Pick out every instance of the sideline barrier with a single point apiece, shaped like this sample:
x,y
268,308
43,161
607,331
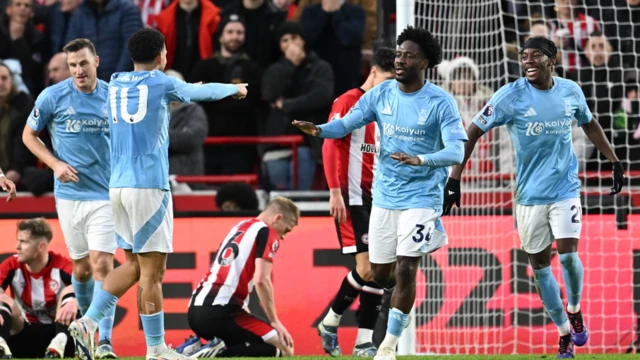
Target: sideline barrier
x,y
308,269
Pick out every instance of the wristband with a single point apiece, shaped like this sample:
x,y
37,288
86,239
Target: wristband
x,y
67,298
1,175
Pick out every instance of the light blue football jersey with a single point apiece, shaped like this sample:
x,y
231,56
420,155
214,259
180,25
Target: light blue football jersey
x,y
139,122
79,130
414,123
539,123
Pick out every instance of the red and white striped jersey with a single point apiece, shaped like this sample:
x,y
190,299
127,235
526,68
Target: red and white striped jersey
x,y
37,294
579,28
230,278
349,163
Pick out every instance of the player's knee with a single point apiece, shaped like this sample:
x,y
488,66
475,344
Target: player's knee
x,y
382,277
568,261
406,271
82,271
364,271
286,351
102,264
152,275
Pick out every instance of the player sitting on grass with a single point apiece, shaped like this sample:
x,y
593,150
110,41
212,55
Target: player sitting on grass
x,y
218,308
538,110
33,324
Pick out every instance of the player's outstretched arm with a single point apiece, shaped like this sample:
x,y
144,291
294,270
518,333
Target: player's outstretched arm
x,y
185,92
452,154
64,172
8,186
452,188
337,129
67,307
594,132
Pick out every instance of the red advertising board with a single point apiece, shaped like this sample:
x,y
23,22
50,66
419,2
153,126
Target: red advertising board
x,y
475,297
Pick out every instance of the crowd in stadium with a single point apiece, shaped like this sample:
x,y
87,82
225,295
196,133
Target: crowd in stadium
x,y
240,41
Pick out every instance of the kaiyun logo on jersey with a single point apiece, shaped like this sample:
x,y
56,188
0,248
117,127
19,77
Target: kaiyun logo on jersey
x,y
391,130
556,127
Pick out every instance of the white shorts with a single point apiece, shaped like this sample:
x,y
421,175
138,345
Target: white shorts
x,y
144,219
87,226
411,232
539,225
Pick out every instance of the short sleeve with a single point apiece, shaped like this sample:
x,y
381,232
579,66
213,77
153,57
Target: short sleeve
x,y
7,269
177,90
267,243
495,112
42,112
583,114
66,270
451,126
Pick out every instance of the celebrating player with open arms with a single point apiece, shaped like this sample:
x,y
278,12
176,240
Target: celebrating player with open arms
x,y
422,134
75,113
538,110
138,113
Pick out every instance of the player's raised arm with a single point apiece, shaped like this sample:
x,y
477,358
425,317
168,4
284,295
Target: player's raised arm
x,y
186,92
359,116
594,132
40,116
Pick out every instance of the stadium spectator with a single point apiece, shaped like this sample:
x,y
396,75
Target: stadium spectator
x,y
626,124
19,39
262,19
33,328
150,9
108,25
237,197
579,27
539,28
334,30
15,107
462,81
187,132
58,69
622,27
59,17
229,117
371,22
287,6
188,27
298,86
601,80
216,311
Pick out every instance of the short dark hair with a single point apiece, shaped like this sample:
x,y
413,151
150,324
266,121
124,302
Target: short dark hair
x,y
384,59
540,22
240,193
79,44
38,227
428,43
145,45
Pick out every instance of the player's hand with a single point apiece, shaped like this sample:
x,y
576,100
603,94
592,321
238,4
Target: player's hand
x,y
451,195
284,335
336,206
406,159
8,186
65,172
67,313
618,178
242,91
307,127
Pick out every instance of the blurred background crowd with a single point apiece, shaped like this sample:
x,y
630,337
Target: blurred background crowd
x,y
297,56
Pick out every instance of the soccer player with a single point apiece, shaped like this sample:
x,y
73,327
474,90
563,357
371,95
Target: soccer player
x,y
422,134
75,113
34,321
244,260
138,110
348,167
8,186
538,110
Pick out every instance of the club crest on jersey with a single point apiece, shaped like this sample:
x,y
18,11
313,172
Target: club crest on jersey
x,y
488,111
365,239
422,117
54,285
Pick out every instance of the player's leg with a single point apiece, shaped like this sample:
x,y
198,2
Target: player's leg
x,y
73,216
565,218
61,341
12,323
536,239
100,232
349,289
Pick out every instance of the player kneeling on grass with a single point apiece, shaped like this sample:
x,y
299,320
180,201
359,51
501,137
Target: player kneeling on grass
x,y
34,322
218,308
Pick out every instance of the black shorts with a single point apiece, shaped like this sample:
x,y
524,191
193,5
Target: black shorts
x,y
353,234
230,323
33,341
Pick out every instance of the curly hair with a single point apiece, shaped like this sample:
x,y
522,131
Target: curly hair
x,y
145,45
428,43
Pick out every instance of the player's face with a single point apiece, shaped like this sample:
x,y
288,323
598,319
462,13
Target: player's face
x,y
536,66
27,247
83,66
409,62
282,225
5,82
232,37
